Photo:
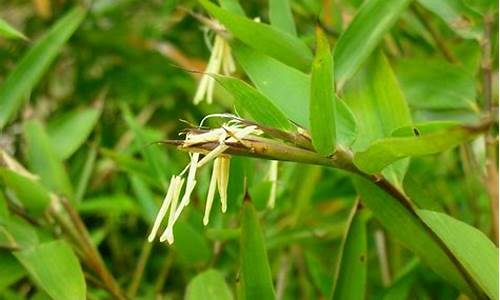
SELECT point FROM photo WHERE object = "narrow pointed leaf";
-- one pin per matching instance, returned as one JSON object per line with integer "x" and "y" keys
{"x": 232, "y": 6}
{"x": 357, "y": 42}
{"x": 44, "y": 161}
{"x": 350, "y": 276}
{"x": 402, "y": 222}
{"x": 280, "y": 14}
{"x": 29, "y": 192}
{"x": 289, "y": 89}
{"x": 438, "y": 86}
{"x": 209, "y": 285}
{"x": 54, "y": 267}
{"x": 386, "y": 151}
{"x": 256, "y": 280}
{"x": 34, "y": 63}
{"x": 156, "y": 160}
{"x": 379, "y": 106}
{"x": 10, "y": 32}
{"x": 322, "y": 100}
{"x": 263, "y": 37}
{"x": 474, "y": 250}
{"x": 79, "y": 123}
{"x": 261, "y": 109}
{"x": 11, "y": 270}
{"x": 457, "y": 16}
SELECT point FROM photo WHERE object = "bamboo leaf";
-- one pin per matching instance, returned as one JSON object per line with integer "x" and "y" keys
{"x": 151, "y": 153}
{"x": 232, "y": 6}
{"x": 456, "y": 14}
{"x": 11, "y": 271}
{"x": 10, "y": 32}
{"x": 474, "y": 250}
{"x": 438, "y": 86}
{"x": 322, "y": 100}
{"x": 79, "y": 123}
{"x": 364, "y": 33}
{"x": 43, "y": 160}
{"x": 280, "y": 14}
{"x": 386, "y": 151}
{"x": 402, "y": 222}
{"x": 350, "y": 276}
{"x": 55, "y": 268}
{"x": 29, "y": 192}
{"x": 263, "y": 37}
{"x": 289, "y": 89}
{"x": 256, "y": 277}
{"x": 209, "y": 285}
{"x": 261, "y": 109}
{"x": 402, "y": 284}
{"x": 34, "y": 64}
{"x": 378, "y": 104}
{"x": 483, "y": 7}
{"x": 190, "y": 244}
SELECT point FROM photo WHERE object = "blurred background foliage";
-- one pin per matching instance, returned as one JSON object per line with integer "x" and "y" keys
{"x": 126, "y": 78}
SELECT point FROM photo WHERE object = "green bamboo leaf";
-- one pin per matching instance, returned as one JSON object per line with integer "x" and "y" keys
{"x": 34, "y": 64}
{"x": 402, "y": 222}
{"x": 85, "y": 174}
{"x": 322, "y": 100}
{"x": 246, "y": 97}
{"x": 10, "y": 32}
{"x": 319, "y": 273}
{"x": 133, "y": 166}
{"x": 79, "y": 122}
{"x": 54, "y": 267}
{"x": 474, "y": 250}
{"x": 190, "y": 244}
{"x": 29, "y": 192}
{"x": 424, "y": 128}
{"x": 18, "y": 233}
{"x": 280, "y": 15}
{"x": 289, "y": 89}
{"x": 386, "y": 151}
{"x": 263, "y": 37}
{"x": 145, "y": 198}
{"x": 232, "y": 6}
{"x": 483, "y": 7}
{"x": 379, "y": 106}
{"x": 11, "y": 271}
{"x": 457, "y": 15}
{"x": 438, "y": 86}
{"x": 156, "y": 160}
{"x": 108, "y": 205}
{"x": 209, "y": 285}
{"x": 364, "y": 33}
{"x": 43, "y": 160}
{"x": 256, "y": 280}
{"x": 402, "y": 284}
{"x": 350, "y": 276}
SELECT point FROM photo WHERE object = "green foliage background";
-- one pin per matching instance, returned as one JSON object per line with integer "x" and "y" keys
{"x": 87, "y": 89}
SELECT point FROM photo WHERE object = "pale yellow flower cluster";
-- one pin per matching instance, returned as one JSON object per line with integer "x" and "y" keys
{"x": 231, "y": 132}
{"x": 221, "y": 61}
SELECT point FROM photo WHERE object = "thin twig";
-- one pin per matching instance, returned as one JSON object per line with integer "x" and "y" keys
{"x": 95, "y": 257}
{"x": 382, "y": 257}
{"x": 415, "y": 7}
{"x": 491, "y": 177}
{"x": 139, "y": 269}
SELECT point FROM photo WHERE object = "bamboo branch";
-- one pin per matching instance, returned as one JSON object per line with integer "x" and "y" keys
{"x": 491, "y": 177}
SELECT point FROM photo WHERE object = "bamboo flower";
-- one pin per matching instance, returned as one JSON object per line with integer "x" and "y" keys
{"x": 231, "y": 132}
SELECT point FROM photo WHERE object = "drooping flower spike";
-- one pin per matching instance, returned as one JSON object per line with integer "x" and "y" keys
{"x": 231, "y": 132}
{"x": 221, "y": 61}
